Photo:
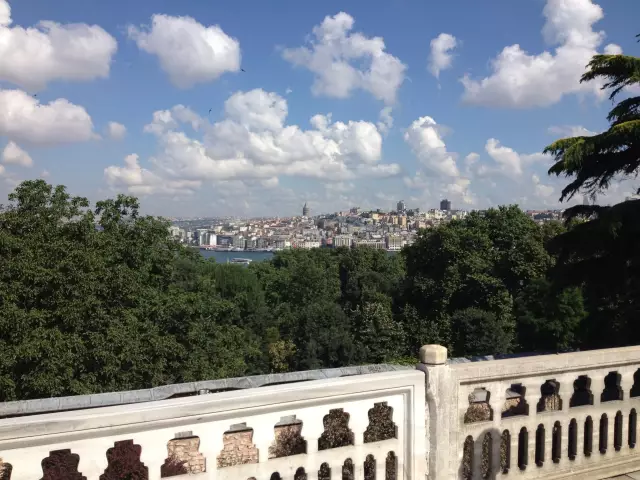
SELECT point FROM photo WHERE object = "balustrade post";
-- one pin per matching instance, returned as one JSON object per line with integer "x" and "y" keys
{"x": 440, "y": 412}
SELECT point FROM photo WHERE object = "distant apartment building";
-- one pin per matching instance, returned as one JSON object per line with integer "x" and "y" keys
{"x": 394, "y": 243}
{"x": 445, "y": 205}
{"x": 342, "y": 241}
{"x": 205, "y": 237}
{"x": 401, "y": 207}
{"x": 377, "y": 244}
{"x": 225, "y": 240}
{"x": 239, "y": 241}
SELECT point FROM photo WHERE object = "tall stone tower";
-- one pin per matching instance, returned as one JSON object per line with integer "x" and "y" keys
{"x": 305, "y": 210}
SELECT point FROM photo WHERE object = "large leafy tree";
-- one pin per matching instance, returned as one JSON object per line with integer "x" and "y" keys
{"x": 481, "y": 262}
{"x": 603, "y": 254}
{"x": 103, "y": 299}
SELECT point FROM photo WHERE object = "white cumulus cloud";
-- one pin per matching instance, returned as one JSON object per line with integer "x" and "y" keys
{"x": 438, "y": 175}
{"x": 188, "y": 52}
{"x": 508, "y": 161}
{"x": 523, "y": 80}
{"x": 13, "y": 154}
{"x": 252, "y": 143}
{"x": 564, "y": 131}
{"x": 613, "y": 49}
{"x": 343, "y": 61}
{"x": 141, "y": 181}
{"x": 34, "y": 56}
{"x": 425, "y": 140}
{"x": 24, "y": 119}
{"x": 116, "y": 131}
{"x": 385, "y": 120}
{"x": 539, "y": 189}
{"x": 441, "y": 57}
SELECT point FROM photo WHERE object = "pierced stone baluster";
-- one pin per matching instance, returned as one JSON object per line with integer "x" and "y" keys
{"x": 565, "y": 391}
{"x": 154, "y": 450}
{"x": 263, "y": 434}
{"x": 627, "y": 383}
{"x": 26, "y": 462}
{"x": 210, "y": 445}
{"x": 597, "y": 386}
{"x": 381, "y": 465}
{"x": 93, "y": 456}
{"x": 358, "y": 422}
{"x": 312, "y": 428}
{"x": 477, "y": 456}
{"x": 312, "y": 470}
{"x": 497, "y": 396}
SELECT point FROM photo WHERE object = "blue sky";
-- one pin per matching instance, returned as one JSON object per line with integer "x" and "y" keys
{"x": 473, "y": 134}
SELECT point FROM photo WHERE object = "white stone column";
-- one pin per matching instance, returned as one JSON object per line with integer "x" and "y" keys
{"x": 440, "y": 412}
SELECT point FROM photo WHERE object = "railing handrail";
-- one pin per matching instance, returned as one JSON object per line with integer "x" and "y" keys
{"x": 545, "y": 364}
{"x": 203, "y": 406}
{"x": 127, "y": 397}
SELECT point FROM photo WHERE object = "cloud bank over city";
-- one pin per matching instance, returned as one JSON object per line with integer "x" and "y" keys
{"x": 198, "y": 114}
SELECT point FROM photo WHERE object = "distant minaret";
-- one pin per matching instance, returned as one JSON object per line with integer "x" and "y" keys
{"x": 305, "y": 210}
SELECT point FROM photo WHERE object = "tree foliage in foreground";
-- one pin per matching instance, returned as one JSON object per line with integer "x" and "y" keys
{"x": 102, "y": 299}
{"x": 602, "y": 255}
{"x": 479, "y": 263}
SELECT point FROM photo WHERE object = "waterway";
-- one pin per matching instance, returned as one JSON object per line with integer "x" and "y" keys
{"x": 223, "y": 257}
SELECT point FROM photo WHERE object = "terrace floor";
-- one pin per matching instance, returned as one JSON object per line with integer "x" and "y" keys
{"x": 628, "y": 476}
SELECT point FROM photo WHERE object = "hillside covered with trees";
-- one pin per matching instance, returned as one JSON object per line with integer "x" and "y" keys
{"x": 123, "y": 306}
{"x": 86, "y": 309}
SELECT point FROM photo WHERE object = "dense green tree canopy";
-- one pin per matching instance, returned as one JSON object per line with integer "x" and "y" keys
{"x": 101, "y": 298}
{"x": 481, "y": 263}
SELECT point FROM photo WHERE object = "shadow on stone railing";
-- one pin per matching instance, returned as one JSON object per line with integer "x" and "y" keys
{"x": 570, "y": 415}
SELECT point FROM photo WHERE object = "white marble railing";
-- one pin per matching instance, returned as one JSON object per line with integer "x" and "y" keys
{"x": 570, "y": 415}
{"x": 541, "y": 417}
{"x": 376, "y": 427}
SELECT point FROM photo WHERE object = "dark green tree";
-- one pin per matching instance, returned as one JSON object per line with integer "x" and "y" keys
{"x": 479, "y": 332}
{"x": 104, "y": 300}
{"x": 480, "y": 262}
{"x": 547, "y": 319}
{"x": 602, "y": 255}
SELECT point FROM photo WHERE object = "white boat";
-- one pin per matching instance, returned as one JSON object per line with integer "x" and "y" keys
{"x": 241, "y": 261}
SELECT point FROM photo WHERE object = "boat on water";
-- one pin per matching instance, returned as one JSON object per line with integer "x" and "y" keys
{"x": 241, "y": 261}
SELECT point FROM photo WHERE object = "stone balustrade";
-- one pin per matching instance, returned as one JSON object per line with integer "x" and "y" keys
{"x": 350, "y": 427}
{"x": 539, "y": 417}
{"x": 570, "y": 415}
